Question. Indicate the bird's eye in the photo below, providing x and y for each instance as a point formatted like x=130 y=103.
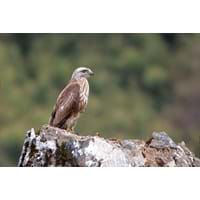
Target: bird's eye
x=84 y=71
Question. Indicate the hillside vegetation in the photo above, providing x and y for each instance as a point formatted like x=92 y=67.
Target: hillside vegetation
x=142 y=83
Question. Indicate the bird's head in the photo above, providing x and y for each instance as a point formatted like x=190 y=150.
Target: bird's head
x=82 y=72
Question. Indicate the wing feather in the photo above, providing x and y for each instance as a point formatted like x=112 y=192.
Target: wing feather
x=66 y=104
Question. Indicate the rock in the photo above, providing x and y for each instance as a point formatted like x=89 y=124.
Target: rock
x=162 y=140
x=56 y=147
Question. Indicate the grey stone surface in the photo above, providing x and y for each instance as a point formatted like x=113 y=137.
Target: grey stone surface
x=56 y=147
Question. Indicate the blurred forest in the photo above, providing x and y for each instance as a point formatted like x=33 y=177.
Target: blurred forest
x=142 y=83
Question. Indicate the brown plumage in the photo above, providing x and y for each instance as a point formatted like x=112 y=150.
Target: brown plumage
x=72 y=100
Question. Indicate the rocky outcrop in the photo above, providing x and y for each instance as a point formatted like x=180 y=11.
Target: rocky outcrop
x=55 y=147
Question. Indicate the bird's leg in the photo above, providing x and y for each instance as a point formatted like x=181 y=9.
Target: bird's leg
x=71 y=130
x=68 y=129
x=83 y=111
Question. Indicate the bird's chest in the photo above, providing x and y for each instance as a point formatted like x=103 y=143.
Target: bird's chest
x=84 y=93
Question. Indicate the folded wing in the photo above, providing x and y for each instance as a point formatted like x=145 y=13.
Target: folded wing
x=66 y=105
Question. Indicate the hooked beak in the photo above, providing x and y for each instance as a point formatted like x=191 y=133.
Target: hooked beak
x=91 y=73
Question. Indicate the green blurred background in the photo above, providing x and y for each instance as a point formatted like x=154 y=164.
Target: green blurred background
x=142 y=83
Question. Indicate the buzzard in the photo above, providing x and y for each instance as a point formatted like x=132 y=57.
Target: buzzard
x=72 y=100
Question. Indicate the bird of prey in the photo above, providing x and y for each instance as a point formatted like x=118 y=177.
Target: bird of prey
x=72 y=100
